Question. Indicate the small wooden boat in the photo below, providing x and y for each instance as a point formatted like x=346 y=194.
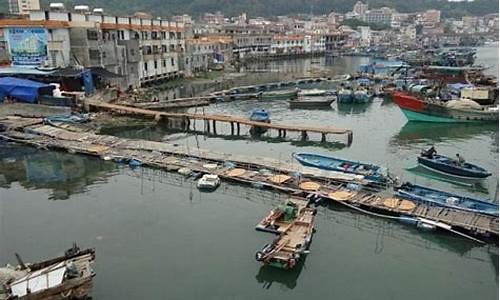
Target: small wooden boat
x=369 y=171
x=286 y=251
x=345 y=96
x=285 y=94
x=325 y=102
x=283 y=215
x=449 y=166
x=65 y=277
x=441 y=198
x=208 y=182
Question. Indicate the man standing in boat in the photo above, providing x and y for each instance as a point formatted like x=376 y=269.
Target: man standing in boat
x=459 y=160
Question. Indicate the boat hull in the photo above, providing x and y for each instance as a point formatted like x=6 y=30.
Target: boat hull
x=335 y=164
x=361 y=98
x=277 y=95
x=344 y=98
x=450 y=169
x=425 y=111
x=310 y=104
x=445 y=199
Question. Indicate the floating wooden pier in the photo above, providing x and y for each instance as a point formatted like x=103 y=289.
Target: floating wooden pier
x=253 y=171
x=185 y=120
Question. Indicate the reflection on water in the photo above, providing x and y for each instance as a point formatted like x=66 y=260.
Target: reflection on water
x=63 y=173
x=352 y=108
x=418 y=132
x=268 y=275
x=474 y=185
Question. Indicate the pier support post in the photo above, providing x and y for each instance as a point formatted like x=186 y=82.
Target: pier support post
x=232 y=128
x=237 y=128
x=207 y=122
x=304 y=135
x=279 y=132
x=284 y=133
x=349 y=138
x=323 y=137
x=215 y=128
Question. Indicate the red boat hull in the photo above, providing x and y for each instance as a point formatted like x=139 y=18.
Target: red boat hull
x=416 y=109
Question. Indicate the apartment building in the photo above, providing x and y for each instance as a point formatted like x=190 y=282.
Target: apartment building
x=140 y=49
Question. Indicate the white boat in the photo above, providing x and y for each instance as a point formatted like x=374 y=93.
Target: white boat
x=208 y=182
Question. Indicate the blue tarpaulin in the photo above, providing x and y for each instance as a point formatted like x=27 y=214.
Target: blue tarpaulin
x=22 y=90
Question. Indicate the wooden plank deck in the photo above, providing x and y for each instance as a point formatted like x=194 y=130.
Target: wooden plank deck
x=167 y=156
x=187 y=118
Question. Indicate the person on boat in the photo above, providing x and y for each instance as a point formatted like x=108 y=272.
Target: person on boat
x=430 y=152
x=460 y=160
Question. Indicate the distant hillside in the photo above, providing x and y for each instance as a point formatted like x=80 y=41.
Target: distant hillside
x=276 y=7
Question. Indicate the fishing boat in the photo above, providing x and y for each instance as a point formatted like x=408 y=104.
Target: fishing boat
x=445 y=199
x=292 y=244
x=450 y=166
x=283 y=215
x=313 y=102
x=284 y=94
x=312 y=93
x=416 y=109
x=65 y=277
x=369 y=171
x=361 y=96
x=345 y=95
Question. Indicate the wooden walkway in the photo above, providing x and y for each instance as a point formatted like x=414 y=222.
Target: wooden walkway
x=210 y=121
x=243 y=170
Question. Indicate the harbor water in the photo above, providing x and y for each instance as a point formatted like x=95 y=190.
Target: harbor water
x=158 y=237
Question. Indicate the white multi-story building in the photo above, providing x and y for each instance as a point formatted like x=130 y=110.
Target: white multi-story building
x=23 y=7
x=360 y=8
x=139 y=49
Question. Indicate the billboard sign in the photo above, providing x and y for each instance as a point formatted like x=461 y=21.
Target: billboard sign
x=27 y=46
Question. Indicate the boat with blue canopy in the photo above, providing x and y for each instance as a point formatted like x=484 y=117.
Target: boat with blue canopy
x=369 y=171
x=450 y=166
x=442 y=198
x=260 y=115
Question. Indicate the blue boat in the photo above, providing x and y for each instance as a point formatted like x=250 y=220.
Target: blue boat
x=449 y=166
x=361 y=96
x=369 y=171
x=445 y=199
x=344 y=96
x=260 y=115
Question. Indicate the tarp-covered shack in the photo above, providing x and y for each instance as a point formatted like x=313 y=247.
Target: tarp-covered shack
x=23 y=90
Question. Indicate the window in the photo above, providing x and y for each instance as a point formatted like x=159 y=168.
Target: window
x=94 y=54
x=172 y=62
x=164 y=63
x=145 y=66
x=132 y=52
x=92 y=35
x=156 y=64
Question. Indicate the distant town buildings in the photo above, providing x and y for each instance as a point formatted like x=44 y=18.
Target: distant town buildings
x=141 y=49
